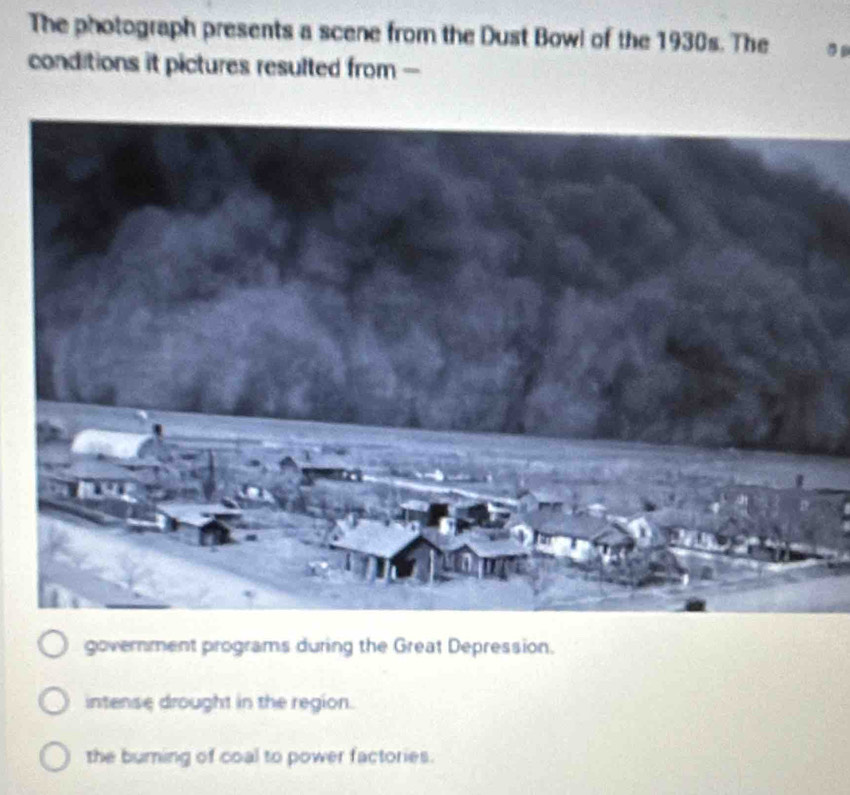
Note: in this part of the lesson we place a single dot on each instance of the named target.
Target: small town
(141, 519)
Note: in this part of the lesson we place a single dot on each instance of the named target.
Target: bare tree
(56, 542)
(133, 572)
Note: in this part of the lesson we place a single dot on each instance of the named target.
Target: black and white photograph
(345, 369)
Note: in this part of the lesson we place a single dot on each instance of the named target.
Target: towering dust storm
(649, 289)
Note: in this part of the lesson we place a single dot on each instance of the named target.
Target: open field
(273, 563)
(575, 459)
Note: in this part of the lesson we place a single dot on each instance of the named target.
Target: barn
(114, 444)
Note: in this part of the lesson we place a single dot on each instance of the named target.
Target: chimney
(158, 431)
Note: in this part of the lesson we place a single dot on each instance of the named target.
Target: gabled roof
(557, 524)
(489, 548)
(374, 538)
(191, 510)
(114, 444)
(536, 519)
(614, 537)
(195, 518)
(567, 525)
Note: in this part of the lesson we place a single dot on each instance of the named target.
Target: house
(54, 485)
(198, 527)
(415, 511)
(143, 517)
(90, 479)
(540, 499)
(175, 511)
(642, 529)
(706, 531)
(562, 535)
(481, 557)
(521, 526)
(329, 466)
(115, 444)
(375, 550)
(613, 544)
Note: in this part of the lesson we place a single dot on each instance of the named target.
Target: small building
(210, 510)
(561, 535)
(417, 511)
(540, 499)
(114, 444)
(613, 544)
(198, 528)
(642, 529)
(388, 552)
(329, 466)
(204, 524)
(145, 517)
(89, 479)
(484, 557)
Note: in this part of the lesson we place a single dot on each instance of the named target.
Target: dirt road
(114, 556)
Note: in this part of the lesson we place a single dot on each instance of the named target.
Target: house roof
(96, 469)
(196, 519)
(56, 454)
(114, 444)
(178, 510)
(542, 521)
(492, 548)
(614, 537)
(557, 524)
(375, 538)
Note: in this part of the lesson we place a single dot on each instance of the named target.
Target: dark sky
(655, 289)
